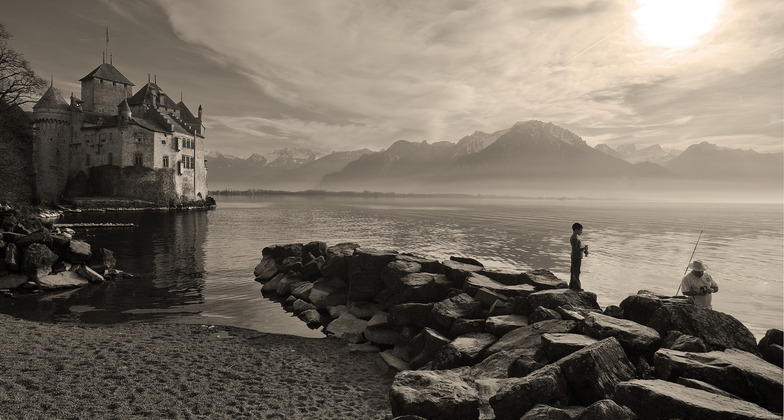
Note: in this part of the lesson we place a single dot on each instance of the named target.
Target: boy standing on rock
(576, 257)
(699, 285)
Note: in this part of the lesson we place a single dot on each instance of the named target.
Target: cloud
(369, 73)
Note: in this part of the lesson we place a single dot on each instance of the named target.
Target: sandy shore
(182, 371)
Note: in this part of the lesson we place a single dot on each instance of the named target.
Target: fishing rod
(689, 263)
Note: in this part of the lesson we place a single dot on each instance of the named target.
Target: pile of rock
(37, 256)
(469, 342)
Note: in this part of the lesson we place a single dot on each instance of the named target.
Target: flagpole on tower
(107, 43)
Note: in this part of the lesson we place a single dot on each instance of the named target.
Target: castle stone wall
(103, 96)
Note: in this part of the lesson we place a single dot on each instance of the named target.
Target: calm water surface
(197, 267)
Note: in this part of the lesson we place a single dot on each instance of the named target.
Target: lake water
(198, 266)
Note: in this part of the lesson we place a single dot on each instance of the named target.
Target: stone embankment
(468, 342)
(36, 255)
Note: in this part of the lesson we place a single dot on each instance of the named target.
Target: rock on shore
(35, 255)
(470, 342)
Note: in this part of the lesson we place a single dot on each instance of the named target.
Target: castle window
(138, 159)
(163, 141)
(165, 161)
(87, 160)
(103, 137)
(110, 136)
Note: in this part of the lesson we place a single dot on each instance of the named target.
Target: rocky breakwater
(35, 255)
(467, 342)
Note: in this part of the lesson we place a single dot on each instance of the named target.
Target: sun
(675, 24)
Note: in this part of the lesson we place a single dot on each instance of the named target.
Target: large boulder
(12, 281)
(635, 338)
(606, 409)
(102, 259)
(312, 251)
(640, 307)
(61, 280)
(499, 325)
(329, 292)
(415, 314)
(663, 400)
(530, 336)
(422, 288)
(424, 347)
(546, 412)
(443, 395)
(458, 272)
(78, 252)
(462, 351)
(37, 255)
(543, 280)
(312, 269)
(554, 298)
(42, 236)
(593, 372)
(476, 281)
(735, 371)
(518, 395)
(395, 270)
(508, 277)
(265, 270)
(718, 330)
(772, 347)
(560, 345)
(370, 259)
(348, 328)
(364, 284)
(444, 313)
(280, 252)
(337, 259)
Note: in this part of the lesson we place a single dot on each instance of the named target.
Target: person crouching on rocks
(699, 285)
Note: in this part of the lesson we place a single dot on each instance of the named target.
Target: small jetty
(93, 225)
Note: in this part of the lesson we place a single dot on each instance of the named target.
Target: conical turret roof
(52, 99)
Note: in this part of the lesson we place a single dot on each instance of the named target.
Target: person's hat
(697, 265)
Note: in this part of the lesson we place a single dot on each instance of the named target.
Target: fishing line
(692, 256)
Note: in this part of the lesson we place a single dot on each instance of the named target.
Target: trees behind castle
(19, 84)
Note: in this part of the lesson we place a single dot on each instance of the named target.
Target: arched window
(138, 159)
(165, 161)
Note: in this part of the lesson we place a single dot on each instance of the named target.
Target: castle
(115, 143)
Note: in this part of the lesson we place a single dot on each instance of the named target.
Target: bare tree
(18, 82)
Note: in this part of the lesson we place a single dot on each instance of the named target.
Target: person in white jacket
(699, 285)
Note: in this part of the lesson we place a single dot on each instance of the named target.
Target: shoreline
(164, 370)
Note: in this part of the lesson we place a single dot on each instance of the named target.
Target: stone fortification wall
(16, 170)
(134, 182)
(103, 96)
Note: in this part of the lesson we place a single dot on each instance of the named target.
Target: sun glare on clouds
(675, 24)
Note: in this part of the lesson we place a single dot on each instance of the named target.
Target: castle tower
(51, 136)
(104, 88)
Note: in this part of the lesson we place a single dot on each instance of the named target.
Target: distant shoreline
(379, 194)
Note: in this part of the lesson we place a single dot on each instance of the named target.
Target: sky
(343, 75)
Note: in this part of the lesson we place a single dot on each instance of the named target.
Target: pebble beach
(182, 371)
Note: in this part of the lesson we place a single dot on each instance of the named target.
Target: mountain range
(531, 157)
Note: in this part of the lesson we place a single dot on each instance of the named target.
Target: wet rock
(364, 285)
(265, 270)
(662, 400)
(613, 311)
(370, 259)
(439, 394)
(286, 284)
(461, 306)
(42, 236)
(101, 260)
(770, 346)
(302, 290)
(635, 338)
(735, 371)
(391, 361)
(89, 274)
(488, 297)
(300, 306)
(365, 310)
(697, 384)
(559, 345)
(271, 286)
(62, 280)
(312, 318)
(13, 257)
(507, 277)
(774, 354)
(12, 281)
(466, 260)
(429, 265)
(422, 288)
(312, 269)
(546, 412)
(395, 270)
(463, 326)
(718, 330)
